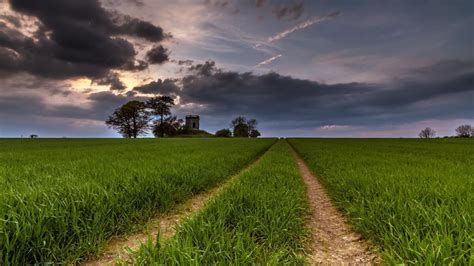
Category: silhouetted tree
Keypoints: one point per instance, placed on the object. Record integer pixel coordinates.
(171, 126)
(238, 121)
(130, 120)
(427, 133)
(464, 131)
(252, 123)
(224, 133)
(160, 106)
(254, 133)
(245, 128)
(241, 131)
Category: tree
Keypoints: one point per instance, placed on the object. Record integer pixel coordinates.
(245, 128)
(171, 126)
(254, 133)
(252, 123)
(238, 121)
(427, 133)
(464, 131)
(130, 120)
(241, 131)
(224, 133)
(160, 106)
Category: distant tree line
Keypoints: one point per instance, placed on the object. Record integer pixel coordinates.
(462, 131)
(136, 118)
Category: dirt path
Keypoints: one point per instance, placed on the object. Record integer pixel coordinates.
(164, 223)
(334, 242)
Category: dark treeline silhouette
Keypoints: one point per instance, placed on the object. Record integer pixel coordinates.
(462, 131)
(136, 118)
(241, 128)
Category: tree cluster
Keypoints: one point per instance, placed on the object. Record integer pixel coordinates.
(241, 128)
(462, 131)
(136, 118)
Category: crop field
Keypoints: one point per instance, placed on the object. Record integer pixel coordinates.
(260, 219)
(413, 198)
(64, 200)
(61, 199)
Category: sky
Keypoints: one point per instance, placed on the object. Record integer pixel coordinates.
(314, 68)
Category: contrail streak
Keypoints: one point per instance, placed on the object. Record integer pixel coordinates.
(269, 60)
(301, 26)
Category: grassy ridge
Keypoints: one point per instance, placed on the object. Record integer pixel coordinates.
(259, 219)
(60, 199)
(414, 198)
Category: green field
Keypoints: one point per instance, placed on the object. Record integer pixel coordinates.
(62, 199)
(413, 198)
(260, 219)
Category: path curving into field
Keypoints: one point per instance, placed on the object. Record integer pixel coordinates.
(333, 240)
(163, 224)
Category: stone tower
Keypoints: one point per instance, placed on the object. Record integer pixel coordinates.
(192, 122)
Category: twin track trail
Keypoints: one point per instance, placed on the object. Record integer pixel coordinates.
(164, 224)
(333, 240)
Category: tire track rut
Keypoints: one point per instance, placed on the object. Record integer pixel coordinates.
(333, 240)
(163, 224)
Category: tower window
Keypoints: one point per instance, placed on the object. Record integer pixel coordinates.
(194, 124)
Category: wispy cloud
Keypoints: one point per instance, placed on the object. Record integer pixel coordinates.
(269, 60)
(334, 127)
(301, 26)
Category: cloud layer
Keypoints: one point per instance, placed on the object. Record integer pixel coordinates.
(419, 94)
(75, 39)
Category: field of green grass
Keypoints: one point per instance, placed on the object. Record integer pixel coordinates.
(61, 199)
(259, 219)
(413, 198)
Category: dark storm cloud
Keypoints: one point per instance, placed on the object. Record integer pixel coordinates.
(186, 62)
(74, 38)
(166, 86)
(206, 69)
(157, 55)
(273, 97)
(111, 79)
(289, 11)
(142, 29)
